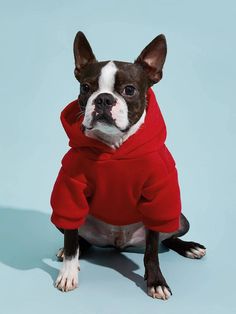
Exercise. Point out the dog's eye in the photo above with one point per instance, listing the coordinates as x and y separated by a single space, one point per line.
129 90
84 88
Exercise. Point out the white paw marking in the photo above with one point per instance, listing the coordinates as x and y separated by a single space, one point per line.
68 276
196 253
160 292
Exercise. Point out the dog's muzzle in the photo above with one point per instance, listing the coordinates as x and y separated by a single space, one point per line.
103 106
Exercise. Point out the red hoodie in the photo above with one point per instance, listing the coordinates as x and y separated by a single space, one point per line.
136 182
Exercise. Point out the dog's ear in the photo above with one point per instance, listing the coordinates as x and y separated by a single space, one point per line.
83 53
152 58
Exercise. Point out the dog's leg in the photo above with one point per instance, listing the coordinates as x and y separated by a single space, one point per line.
185 248
84 245
156 283
68 276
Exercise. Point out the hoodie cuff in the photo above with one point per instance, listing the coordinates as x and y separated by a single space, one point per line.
65 223
166 226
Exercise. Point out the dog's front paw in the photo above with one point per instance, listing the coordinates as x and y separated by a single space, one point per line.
156 285
159 292
67 279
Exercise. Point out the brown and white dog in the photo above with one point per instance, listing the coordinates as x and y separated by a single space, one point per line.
103 84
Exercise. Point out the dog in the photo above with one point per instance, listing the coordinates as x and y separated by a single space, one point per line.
118 183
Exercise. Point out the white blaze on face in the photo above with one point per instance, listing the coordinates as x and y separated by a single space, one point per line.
119 112
106 80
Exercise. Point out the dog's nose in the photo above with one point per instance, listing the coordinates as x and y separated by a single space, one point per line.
103 102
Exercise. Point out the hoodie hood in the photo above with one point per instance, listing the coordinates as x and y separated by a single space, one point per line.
149 138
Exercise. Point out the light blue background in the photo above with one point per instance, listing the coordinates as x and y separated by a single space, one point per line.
197 99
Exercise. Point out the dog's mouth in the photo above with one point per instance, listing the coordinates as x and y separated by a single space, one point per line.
103 118
106 119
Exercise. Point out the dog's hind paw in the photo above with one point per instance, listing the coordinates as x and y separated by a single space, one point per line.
60 254
196 252
188 249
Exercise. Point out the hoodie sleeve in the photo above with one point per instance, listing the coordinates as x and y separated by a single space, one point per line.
68 201
160 204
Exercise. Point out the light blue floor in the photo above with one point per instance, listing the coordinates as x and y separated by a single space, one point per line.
109 281
197 99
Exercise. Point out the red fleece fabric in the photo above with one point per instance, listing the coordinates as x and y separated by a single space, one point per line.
136 182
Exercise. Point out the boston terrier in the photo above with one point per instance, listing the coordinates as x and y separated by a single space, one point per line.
118 184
